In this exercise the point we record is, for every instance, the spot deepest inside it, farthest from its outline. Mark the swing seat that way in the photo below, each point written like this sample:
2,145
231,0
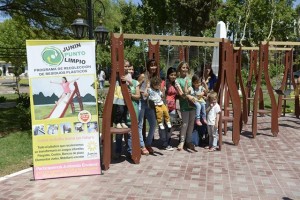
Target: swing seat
286,92
261,111
279,92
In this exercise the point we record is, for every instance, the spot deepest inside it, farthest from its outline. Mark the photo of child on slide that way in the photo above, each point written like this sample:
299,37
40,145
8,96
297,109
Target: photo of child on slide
60,97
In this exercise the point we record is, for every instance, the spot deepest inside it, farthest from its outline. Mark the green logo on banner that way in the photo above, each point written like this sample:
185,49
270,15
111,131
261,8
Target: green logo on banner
52,56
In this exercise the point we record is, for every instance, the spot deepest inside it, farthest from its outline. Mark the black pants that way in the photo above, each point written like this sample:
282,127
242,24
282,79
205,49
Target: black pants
119,113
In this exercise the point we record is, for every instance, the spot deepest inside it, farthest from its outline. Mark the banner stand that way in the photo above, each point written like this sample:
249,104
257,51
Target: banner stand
64,108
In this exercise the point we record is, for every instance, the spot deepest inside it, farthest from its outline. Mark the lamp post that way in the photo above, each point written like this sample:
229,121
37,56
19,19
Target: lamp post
80,26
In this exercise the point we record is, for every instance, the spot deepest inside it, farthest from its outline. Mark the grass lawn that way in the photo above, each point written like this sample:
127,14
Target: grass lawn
9,121
24,81
16,152
16,145
290,105
9,97
43,111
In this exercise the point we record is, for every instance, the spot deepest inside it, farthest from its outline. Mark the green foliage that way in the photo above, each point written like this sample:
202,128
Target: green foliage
53,17
244,73
2,99
259,20
182,17
9,121
275,71
10,97
101,101
194,16
23,105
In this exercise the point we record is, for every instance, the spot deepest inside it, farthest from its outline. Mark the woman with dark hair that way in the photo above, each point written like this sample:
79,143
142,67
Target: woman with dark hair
145,110
209,77
171,93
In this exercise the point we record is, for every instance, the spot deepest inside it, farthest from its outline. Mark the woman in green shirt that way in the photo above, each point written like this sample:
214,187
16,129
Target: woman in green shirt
188,112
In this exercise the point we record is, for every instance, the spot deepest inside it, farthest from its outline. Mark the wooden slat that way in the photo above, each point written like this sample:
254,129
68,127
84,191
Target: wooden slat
283,43
264,111
114,130
288,98
168,37
270,48
227,118
202,44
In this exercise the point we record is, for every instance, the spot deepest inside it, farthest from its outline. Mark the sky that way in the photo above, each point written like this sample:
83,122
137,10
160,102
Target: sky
297,2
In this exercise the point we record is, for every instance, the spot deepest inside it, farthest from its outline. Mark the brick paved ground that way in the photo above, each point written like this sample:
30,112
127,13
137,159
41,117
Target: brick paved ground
263,168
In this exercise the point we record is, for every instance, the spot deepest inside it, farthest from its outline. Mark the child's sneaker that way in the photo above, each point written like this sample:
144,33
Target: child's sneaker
119,125
124,125
169,124
169,148
198,123
161,126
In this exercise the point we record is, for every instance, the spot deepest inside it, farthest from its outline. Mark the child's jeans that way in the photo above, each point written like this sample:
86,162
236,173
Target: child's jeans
200,110
213,135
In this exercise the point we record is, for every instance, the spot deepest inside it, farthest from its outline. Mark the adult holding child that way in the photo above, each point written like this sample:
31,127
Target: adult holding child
145,110
187,112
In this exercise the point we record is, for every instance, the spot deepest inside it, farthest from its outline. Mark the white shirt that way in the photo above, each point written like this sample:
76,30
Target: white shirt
212,114
155,96
197,92
101,76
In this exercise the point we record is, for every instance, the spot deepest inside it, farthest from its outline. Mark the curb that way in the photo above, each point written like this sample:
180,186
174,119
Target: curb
15,174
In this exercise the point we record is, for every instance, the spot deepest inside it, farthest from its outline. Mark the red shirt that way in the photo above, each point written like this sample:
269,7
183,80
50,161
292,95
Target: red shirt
171,98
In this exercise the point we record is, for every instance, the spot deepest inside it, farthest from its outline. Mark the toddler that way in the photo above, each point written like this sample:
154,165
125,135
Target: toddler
120,117
213,115
198,91
161,109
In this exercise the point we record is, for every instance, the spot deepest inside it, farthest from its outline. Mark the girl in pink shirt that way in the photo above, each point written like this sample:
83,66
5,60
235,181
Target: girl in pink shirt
66,87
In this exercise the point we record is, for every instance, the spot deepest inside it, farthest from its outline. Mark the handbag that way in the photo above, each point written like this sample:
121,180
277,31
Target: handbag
150,104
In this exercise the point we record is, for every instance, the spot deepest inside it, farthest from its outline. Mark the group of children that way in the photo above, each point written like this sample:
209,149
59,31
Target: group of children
155,100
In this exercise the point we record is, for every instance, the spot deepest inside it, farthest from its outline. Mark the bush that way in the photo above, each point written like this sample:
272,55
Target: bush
2,98
101,101
23,105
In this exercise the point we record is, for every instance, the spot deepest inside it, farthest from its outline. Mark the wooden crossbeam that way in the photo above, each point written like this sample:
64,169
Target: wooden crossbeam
168,37
283,43
202,44
270,48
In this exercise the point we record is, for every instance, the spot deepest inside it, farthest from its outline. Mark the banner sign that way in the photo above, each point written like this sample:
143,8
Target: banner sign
64,113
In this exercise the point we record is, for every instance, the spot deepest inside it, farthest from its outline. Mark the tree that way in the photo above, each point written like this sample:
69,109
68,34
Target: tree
56,17
12,44
252,21
51,16
188,17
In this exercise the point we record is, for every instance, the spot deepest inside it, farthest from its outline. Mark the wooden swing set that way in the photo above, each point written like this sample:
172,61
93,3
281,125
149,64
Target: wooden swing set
229,79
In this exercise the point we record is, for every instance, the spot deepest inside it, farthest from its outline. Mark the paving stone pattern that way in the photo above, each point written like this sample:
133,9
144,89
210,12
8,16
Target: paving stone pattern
263,168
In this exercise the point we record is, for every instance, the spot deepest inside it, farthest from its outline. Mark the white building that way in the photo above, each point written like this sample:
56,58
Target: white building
7,69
